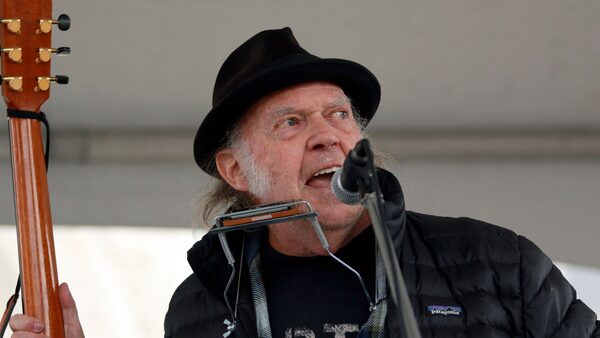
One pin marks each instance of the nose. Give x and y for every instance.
(323, 136)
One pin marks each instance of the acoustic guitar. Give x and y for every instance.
(26, 55)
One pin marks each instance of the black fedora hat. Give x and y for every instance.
(269, 61)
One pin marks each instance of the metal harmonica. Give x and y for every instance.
(261, 215)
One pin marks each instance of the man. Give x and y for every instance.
(282, 121)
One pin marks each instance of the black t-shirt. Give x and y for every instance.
(316, 296)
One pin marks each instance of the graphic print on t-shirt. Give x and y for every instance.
(316, 297)
(339, 331)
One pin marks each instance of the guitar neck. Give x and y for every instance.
(37, 260)
(25, 37)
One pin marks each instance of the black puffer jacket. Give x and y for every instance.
(501, 283)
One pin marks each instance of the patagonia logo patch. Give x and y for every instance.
(444, 310)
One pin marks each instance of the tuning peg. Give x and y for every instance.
(14, 54)
(13, 25)
(14, 82)
(45, 54)
(63, 22)
(44, 82)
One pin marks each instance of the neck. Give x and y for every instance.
(299, 239)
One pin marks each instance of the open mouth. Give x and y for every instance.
(322, 179)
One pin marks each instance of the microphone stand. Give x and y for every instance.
(372, 199)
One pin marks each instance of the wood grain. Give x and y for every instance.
(37, 260)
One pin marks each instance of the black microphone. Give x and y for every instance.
(345, 181)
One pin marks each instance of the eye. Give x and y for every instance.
(288, 122)
(341, 114)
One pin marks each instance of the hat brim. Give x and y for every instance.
(358, 83)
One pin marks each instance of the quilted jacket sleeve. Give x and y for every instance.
(550, 304)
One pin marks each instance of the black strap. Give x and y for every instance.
(24, 114)
(10, 306)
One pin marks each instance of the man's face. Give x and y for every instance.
(292, 140)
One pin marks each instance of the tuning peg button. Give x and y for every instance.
(63, 22)
(63, 50)
(14, 82)
(61, 79)
(44, 82)
(13, 25)
(45, 54)
(14, 54)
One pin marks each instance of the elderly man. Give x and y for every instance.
(282, 121)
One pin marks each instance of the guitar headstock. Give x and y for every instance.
(26, 52)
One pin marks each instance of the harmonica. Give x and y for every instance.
(261, 215)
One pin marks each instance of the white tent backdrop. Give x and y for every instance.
(123, 277)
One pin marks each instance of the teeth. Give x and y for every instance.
(326, 171)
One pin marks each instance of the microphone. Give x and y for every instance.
(343, 195)
(345, 181)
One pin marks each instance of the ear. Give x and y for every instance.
(229, 168)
